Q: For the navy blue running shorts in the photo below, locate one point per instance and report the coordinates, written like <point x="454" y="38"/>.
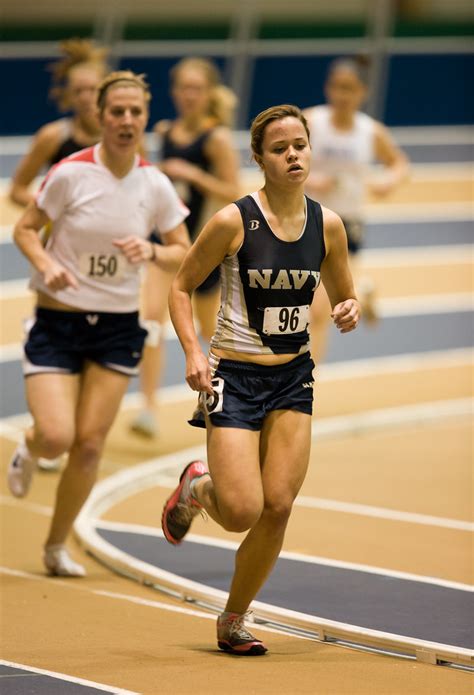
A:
<point x="245" y="392"/>
<point x="62" y="341"/>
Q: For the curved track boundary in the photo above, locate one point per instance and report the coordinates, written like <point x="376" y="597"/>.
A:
<point x="128" y="482"/>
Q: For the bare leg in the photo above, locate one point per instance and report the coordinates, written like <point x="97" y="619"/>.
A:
<point x="233" y="497"/>
<point x="285" y="447"/>
<point x="99" y="400"/>
<point x="52" y="400"/>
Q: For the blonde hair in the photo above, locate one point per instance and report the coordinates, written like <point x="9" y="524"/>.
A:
<point x="75" y="52"/>
<point x="223" y="101"/>
<point x="274" y="113"/>
<point x="122" y="78"/>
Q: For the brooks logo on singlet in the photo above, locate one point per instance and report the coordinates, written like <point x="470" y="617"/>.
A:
<point x="269" y="279"/>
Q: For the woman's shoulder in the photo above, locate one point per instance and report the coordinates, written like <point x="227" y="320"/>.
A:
<point x="50" y="137"/>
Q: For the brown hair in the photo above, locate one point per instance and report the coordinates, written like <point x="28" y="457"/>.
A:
<point x="274" y="113"/>
<point x="75" y="52"/>
<point x="122" y="78"/>
<point x="223" y="100"/>
<point x="359" y="65"/>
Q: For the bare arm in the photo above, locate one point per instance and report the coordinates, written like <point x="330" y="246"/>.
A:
<point x="25" y="235"/>
<point x="167" y="256"/>
<point x="336" y="274"/>
<point x="222" y="181"/>
<point x="397" y="166"/>
<point x="221" y="236"/>
<point x="44" y="146"/>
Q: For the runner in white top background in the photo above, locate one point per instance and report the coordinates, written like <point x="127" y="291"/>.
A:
<point x="344" y="143"/>
<point x="86" y="341"/>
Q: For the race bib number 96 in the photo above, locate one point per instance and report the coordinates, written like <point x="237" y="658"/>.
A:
<point x="105" y="267"/>
<point x="281" y="320"/>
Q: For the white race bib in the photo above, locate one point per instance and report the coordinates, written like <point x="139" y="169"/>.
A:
<point x="281" y="320"/>
<point x="104" y="267"/>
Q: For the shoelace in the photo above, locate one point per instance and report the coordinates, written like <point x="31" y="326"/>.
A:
<point x="184" y="513"/>
<point x="238" y="629"/>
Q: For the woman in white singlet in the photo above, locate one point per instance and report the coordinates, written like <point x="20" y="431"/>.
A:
<point x="86" y="340"/>
<point x="345" y="142"/>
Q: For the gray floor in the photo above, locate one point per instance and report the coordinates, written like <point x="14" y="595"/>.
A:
<point x="14" y="266"/>
<point x="392" y="336"/>
<point x="399" y="606"/>
<point x="16" y="681"/>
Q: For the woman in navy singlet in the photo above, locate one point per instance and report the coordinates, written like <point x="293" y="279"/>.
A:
<point x="256" y="388"/>
<point x="198" y="156"/>
<point x="76" y="78"/>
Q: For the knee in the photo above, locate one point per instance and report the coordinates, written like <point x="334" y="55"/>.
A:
<point x="53" y="441"/>
<point x="240" y="517"/>
<point x="277" y="511"/>
<point x="87" y="452"/>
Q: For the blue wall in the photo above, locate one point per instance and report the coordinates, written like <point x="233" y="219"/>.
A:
<point x="421" y="90"/>
<point x="430" y="90"/>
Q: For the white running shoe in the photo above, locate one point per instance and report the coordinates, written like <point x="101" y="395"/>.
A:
<point x="49" y="465"/>
<point x="59" y="563"/>
<point x="20" y="471"/>
<point x="146" y="424"/>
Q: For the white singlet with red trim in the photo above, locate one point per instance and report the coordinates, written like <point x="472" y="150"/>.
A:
<point x="89" y="208"/>
<point x="344" y="155"/>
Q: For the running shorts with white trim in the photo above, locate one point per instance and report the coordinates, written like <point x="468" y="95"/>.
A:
<point x="62" y="341"/>
<point x="245" y="392"/>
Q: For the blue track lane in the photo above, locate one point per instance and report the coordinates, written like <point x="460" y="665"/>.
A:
<point x="403" y="607"/>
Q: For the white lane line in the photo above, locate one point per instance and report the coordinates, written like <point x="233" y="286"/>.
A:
<point x="382" y="513"/>
<point x="394" y="364"/>
<point x="370" y="258"/>
<point x="390" y="307"/>
<point x="430" y="135"/>
<point x="65" y="677"/>
<point x="381" y="419"/>
<point x="24" y="504"/>
<point x="418" y="305"/>
<point x="169" y="481"/>
<point x="419" y="212"/>
<point x="129" y="598"/>
<point x="299" y="557"/>
<point x="417" y="256"/>
<point x="15" y="289"/>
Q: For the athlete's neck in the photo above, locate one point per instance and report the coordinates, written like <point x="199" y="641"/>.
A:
<point x="342" y="120"/>
<point x="194" y="123"/>
<point x="119" y="163"/>
<point x="283" y="202"/>
<point x="87" y="127"/>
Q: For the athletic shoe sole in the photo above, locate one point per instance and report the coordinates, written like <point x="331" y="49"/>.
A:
<point x="172" y="502"/>
<point x="250" y="649"/>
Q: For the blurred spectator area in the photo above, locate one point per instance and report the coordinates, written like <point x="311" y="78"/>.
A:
<point x="270" y="51"/>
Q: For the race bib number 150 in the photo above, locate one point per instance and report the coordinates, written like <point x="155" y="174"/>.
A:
<point x="105" y="267"/>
